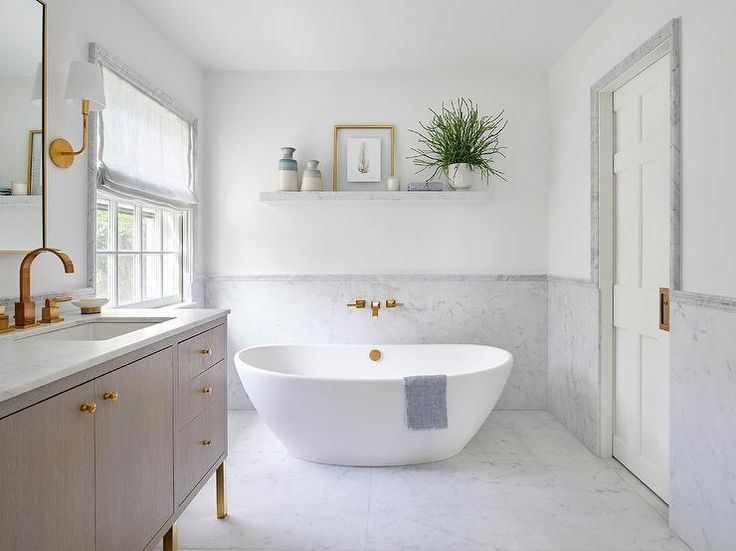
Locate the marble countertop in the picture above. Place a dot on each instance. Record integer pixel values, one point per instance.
(27, 364)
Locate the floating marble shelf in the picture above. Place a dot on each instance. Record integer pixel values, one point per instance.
(25, 200)
(277, 197)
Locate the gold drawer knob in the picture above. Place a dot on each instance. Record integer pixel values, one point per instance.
(207, 442)
(88, 408)
(206, 351)
(113, 396)
(207, 390)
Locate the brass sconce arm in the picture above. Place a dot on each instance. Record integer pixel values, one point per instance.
(61, 151)
(85, 84)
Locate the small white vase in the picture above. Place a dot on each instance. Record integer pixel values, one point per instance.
(312, 177)
(461, 176)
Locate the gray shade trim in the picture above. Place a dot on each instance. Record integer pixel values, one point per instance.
(377, 277)
(669, 34)
(703, 300)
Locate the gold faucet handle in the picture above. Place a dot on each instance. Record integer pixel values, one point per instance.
(50, 311)
(393, 303)
(50, 302)
(359, 303)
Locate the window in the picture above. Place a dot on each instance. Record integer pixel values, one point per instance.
(139, 252)
(144, 148)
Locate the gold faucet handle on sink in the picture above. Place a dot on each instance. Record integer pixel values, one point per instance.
(359, 303)
(393, 303)
(50, 311)
(5, 326)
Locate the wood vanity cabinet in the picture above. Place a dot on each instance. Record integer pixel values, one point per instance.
(47, 475)
(110, 464)
(134, 452)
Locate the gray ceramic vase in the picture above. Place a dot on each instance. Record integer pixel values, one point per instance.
(288, 170)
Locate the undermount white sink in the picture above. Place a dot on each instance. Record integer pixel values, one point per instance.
(95, 330)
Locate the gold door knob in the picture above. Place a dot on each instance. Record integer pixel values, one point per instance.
(88, 408)
(113, 396)
(207, 442)
(206, 351)
(207, 390)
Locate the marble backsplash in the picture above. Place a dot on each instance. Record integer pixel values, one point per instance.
(507, 311)
(573, 376)
(703, 420)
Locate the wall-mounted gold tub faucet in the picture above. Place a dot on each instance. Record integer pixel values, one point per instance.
(25, 309)
(375, 305)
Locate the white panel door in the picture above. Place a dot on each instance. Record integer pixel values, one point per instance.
(641, 166)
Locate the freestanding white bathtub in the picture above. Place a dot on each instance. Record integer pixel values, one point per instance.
(333, 404)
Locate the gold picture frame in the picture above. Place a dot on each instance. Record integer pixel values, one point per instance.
(338, 127)
(31, 142)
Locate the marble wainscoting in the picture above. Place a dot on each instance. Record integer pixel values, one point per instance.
(573, 378)
(703, 420)
(509, 311)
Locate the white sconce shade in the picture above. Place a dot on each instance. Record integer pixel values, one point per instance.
(37, 96)
(85, 83)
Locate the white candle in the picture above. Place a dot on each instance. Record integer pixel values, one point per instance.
(19, 188)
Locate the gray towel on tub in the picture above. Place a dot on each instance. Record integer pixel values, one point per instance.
(426, 402)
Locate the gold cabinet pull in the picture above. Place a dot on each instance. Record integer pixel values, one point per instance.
(112, 396)
(206, 351)
(664, 308)
(207, 442)
(393, 303)
(88, 408)
(207, 390)
(359, 303)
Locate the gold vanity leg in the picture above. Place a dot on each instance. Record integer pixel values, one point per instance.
(171, 539)
(221, 497)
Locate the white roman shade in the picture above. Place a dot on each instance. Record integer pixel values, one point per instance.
(146, 150)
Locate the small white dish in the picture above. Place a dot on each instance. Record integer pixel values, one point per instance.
(90, 305)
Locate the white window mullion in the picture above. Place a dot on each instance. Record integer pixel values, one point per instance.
(114, 257)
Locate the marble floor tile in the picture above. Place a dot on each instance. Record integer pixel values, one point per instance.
(524, 483)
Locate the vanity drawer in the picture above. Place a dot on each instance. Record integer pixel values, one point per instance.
(198, 393)
(201, 352)
(199, 445)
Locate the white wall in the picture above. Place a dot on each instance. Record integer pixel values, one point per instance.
(708, 118)
(124, 31)
(254, 113)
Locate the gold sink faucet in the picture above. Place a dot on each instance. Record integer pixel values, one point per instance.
(25, 309)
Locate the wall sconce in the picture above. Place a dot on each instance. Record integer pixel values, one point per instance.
(85, 85)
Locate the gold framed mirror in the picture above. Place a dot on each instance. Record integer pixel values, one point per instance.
(22, 125)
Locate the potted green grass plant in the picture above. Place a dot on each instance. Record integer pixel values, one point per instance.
(460, 143)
